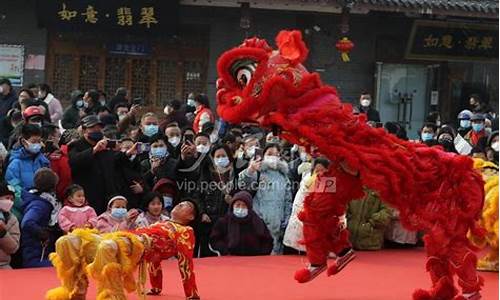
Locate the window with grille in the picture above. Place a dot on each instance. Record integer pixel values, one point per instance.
(194, 77)
(64, 64)
(89, 72)
(114, 77)
(166, 81)
(140, 80)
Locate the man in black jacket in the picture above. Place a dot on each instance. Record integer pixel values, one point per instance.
(93, 164)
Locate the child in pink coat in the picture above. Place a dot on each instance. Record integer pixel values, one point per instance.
(76, 212)
(117, 217)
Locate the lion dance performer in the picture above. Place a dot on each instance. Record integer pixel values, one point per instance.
(489, 217)
(112, 259)
(436, 192)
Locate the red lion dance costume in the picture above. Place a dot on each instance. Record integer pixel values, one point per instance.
(435, 192)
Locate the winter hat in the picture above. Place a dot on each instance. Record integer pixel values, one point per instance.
(243, 196)
(118, 197)
(166, 185)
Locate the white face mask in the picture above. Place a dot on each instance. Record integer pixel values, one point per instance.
(6, 205)
(167, 110)
(365, 102)
(174, 141)
(303, 156)
(271, 161)
(250, 152)
(203, 149)
(494, 146)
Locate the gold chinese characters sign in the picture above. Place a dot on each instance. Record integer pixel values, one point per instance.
(144, 15)
(434, 40)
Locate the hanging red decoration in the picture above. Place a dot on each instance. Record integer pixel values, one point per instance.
(344, 45)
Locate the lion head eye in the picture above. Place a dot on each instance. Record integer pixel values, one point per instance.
(242, 71)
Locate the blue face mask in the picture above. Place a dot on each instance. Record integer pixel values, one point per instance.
(150, 130)
(221, 162)
(477, 127)
(191, 102)
(118, 213)
(34, 148)
(167, 201)
(240, 212)
(158, 152)
(465, 123)
(426, 136)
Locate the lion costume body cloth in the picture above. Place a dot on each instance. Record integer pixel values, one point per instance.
(435, 192)
(112, 259)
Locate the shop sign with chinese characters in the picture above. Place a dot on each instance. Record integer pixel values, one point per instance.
(144, 15)
(434, 40)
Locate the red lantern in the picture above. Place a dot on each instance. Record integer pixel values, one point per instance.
(344, 45)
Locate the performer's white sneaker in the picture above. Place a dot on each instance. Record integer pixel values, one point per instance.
(309, 273)
(341, 262)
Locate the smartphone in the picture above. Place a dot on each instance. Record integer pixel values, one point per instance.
(137, 101)
(259, 154)
(143, 147)
(111, 144)
(189, 137)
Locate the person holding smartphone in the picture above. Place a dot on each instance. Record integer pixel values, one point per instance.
(93, 164)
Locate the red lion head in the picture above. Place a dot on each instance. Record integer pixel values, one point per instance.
(255, 80)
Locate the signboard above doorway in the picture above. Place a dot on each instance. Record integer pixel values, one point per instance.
(145, 16)
(435, 40)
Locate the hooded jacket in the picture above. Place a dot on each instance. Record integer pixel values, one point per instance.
(35, 230)
(21, 172)
(241, 236)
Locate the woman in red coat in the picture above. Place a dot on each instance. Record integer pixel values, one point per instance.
(203, 114)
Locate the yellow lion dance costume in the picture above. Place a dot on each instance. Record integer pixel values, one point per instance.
(489, 217)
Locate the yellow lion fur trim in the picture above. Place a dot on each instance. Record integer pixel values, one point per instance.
(73, 252)
(116, 260)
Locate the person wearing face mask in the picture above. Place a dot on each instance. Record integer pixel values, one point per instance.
(71, 116)
(39, 229)
(9, 226)
(445, 138)
(58, 157)
(478, 131)
(90, 103)
(464, 122)
(54, 105)
(302, 157)
(31, 115)
(189, 107)
(365, 101)
(93, 164)
(174, 113)
(246, 152)
(241, 231)
(492, 143)
(217, 183)
(203, 114)
(268, 178)
(174, 136)
(167, 189)
(24, 161)
(149, 127)
(428, 134)
(128, 173)
(159, 164)
(117, 217)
